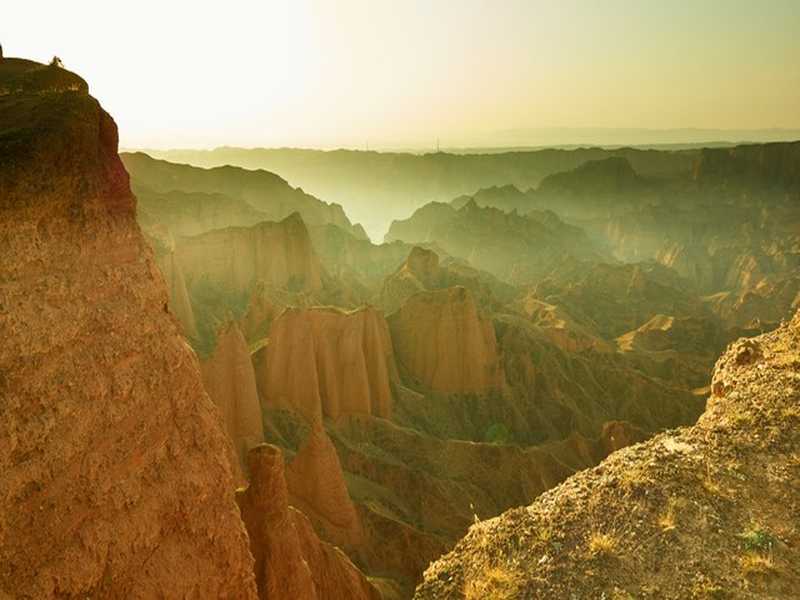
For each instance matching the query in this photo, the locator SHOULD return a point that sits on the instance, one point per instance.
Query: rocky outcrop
(290, 560)
(114, 477)
(423, 270)
(30, 78)
(328, 362)
(230, 381)
(442, 342)
(317, 487)
(630, 526)
(235, 259)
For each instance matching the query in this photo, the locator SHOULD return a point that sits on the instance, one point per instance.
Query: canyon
(215, 384)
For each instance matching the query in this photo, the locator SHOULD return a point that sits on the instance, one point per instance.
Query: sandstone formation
(278, 253)
(629, 527)
(290, 560)
(328, 362)
(423, 270)
(442, 341)
(317, 487)
(114, 477)
(230, 381)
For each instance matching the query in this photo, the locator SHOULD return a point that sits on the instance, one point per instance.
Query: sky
(329, 73)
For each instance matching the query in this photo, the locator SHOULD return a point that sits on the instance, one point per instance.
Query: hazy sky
(341, 72)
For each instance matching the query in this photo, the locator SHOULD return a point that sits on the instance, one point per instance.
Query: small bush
(757, 539)
(602, 544)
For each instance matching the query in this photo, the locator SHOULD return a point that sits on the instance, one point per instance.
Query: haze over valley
(361, 300)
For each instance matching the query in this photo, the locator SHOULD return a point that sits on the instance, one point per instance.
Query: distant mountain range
(567, 137)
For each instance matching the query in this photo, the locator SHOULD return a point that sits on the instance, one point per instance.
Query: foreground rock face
(442, 341)
(230, 381)
(630, 527)
(327, 362)
(291, 561)
(114, 479)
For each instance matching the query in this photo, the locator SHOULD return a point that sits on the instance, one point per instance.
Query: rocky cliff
(630, 527)
(328, 362)
(230, 381)
(278, 253)
(115, 481)
(317, 487)
(442, 341)
(290, 560)
(424, 270)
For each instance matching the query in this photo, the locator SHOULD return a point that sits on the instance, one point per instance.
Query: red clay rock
(325, 361)
(114, 478)
(317, 487)
(291, 561)
(230, 381)
(442, 341)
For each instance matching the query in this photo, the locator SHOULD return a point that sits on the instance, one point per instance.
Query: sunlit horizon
(384, 75)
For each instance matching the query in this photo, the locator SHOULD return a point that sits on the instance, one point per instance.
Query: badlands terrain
(215, 384)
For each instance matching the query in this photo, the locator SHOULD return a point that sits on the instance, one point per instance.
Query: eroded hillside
(708, 511)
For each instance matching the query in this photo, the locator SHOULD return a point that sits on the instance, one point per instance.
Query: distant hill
(377, 187)
(247, 196)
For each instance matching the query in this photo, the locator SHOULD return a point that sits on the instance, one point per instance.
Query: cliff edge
(708, 511)
(115, 482)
